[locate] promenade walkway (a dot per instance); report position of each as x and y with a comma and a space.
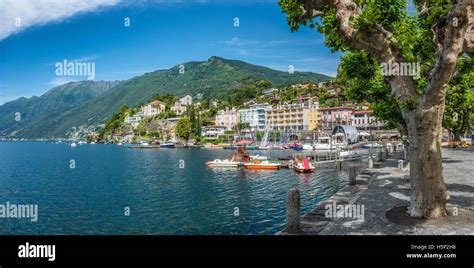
387, 187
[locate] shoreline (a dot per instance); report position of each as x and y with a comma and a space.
385, 191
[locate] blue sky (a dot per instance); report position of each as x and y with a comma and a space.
162, 34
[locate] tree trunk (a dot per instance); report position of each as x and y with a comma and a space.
429, 195
457, 135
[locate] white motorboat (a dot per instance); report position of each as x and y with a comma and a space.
258, 157
323, 144
307, 146
73, 144
223, 163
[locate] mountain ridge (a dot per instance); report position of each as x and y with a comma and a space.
213, 78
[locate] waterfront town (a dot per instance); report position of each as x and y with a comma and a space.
265, 118
264, 121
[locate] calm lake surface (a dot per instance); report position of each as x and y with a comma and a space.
163, 198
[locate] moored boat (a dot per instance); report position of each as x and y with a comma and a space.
223, 163
307, 146
167, 145
259, 157
304, 167
257, 164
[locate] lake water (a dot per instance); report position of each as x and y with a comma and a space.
163, 197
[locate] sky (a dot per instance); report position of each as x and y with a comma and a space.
162, 34
37, 34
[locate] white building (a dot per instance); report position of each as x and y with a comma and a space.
269, 91
213, 132
255, 116
364, 121
186, 100
227, 118
178, 108
332, 116
153, 108
134, 120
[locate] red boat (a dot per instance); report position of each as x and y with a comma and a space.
304, 167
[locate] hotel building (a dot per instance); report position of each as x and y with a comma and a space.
227, 118
303, 116
255, 116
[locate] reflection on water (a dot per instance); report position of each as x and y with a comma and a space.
163, 198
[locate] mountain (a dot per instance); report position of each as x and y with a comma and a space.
214, 78
35, 111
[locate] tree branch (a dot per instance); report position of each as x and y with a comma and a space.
450, 39
313, 8
424, 8
469, 38
380, 43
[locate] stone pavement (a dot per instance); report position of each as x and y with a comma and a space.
388, 187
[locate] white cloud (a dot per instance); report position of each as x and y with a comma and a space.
17, 15
256, 43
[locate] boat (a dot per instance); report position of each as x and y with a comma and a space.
264, 144
323, 143
304, 167
223, 163
372, 146
259, 157
119, 144
257, 164
73, 144
143, 147
167, 145
251, 147
307, 146
276, 147
212, 146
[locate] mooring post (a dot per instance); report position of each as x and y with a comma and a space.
293, 211
379, 156
352, 175
400, 164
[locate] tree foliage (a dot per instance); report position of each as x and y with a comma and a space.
431, 42
183, 128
